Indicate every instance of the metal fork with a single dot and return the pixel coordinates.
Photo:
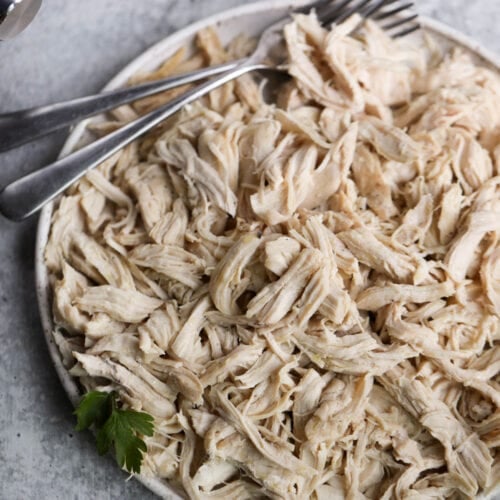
(21, 127)
(30, 193)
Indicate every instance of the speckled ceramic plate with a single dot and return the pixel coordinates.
(250, 19)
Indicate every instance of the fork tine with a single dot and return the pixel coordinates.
(407, 31)
(375, 8)
(390, 2)
(389, 13)
(311, 5)
(349, 12)
(399, 22)
(330, 12)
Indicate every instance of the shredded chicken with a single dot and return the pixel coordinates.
(304, 294)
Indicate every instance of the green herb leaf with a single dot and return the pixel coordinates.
(141, 422)
(95, 408)
(103, 439)
(116, 427)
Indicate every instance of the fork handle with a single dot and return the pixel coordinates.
(30, 193)
(24, 126)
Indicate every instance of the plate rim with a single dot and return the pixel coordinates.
(163, 488)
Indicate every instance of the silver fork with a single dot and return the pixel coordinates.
(30, 193)
(20, 127)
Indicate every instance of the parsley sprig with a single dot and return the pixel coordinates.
(115, 427)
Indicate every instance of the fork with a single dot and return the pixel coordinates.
(30, 193)
(20, 127)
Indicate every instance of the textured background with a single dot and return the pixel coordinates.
(73, 48)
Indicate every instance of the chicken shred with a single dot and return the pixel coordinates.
(305, 294)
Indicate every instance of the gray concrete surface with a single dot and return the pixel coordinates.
(73, 48)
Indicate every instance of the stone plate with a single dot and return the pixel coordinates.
(250, 19)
